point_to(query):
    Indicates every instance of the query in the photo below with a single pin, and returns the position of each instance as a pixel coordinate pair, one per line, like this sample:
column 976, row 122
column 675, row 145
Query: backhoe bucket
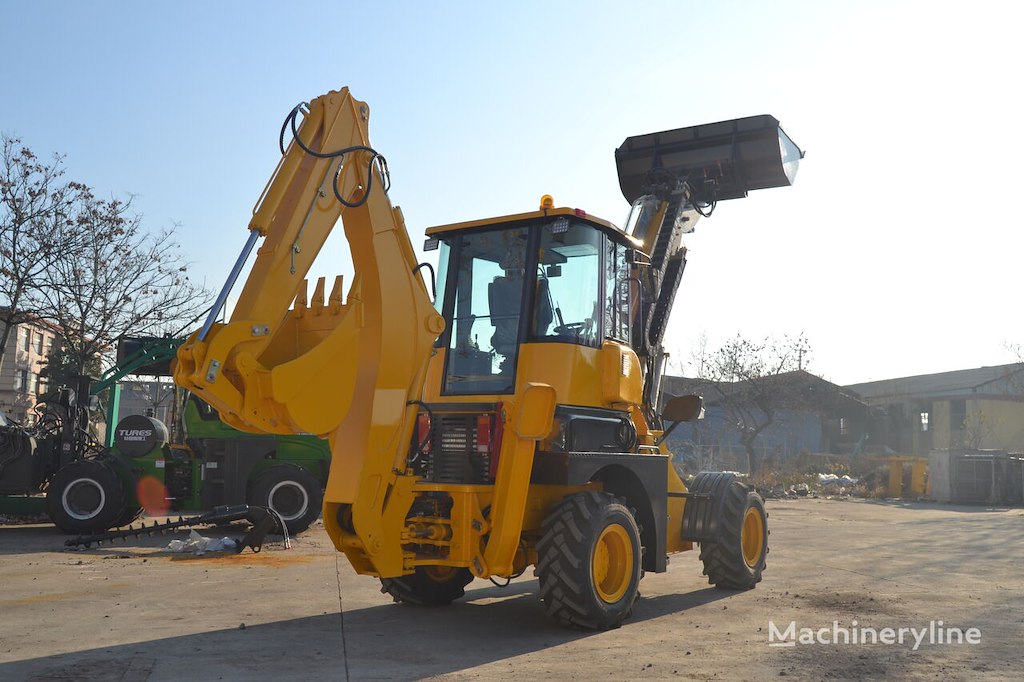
column 718, row 161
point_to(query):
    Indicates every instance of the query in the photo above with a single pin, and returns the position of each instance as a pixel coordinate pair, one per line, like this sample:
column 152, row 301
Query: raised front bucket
column 718, row 161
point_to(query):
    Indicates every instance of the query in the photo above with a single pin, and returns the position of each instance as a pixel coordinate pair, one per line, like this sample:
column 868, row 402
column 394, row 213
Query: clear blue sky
column 897, row 252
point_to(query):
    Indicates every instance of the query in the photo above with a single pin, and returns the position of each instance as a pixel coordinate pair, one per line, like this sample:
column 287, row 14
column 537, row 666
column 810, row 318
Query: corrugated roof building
column 976, row 409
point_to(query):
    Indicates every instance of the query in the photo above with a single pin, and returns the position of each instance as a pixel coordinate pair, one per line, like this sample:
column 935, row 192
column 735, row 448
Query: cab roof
column 576, row 213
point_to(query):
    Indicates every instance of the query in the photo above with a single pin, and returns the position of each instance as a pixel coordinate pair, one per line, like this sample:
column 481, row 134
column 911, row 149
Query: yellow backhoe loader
column 514, row 420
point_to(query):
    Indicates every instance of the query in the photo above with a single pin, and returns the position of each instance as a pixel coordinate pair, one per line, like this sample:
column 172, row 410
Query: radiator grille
column 456, row 458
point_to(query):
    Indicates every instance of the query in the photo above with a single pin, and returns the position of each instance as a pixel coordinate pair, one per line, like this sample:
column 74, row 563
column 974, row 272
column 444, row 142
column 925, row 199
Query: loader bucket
column 718, row 161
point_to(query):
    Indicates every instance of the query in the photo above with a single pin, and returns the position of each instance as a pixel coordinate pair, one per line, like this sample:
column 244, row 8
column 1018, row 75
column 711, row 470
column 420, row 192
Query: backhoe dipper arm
column 275, row 370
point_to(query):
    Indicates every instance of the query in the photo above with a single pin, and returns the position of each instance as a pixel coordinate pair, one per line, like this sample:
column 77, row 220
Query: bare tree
column 36, row 207
column 752, row 381
column 63, row 369
column 119, row 280
column 978, row 428
column 1014, row 376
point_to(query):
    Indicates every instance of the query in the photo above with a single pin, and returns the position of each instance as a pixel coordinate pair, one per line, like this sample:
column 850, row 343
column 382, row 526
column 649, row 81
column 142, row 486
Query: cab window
column 617, row 292
column 488, row 295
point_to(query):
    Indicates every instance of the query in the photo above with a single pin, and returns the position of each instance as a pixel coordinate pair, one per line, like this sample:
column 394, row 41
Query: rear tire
column 588, row 562
column 292, row 492
column 428, row 586
column 85, row 496
column 128, row 515
column 736, row 559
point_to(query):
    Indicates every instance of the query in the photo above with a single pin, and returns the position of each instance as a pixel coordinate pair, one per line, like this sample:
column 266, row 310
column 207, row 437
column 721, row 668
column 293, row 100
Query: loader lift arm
column 672, row 179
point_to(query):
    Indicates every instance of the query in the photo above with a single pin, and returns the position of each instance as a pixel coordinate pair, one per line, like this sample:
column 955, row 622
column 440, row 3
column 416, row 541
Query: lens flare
column 152, row 495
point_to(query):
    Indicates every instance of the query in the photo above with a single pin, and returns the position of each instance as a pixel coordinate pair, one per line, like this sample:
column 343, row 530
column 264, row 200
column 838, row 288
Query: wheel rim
column 83, row 499
column 612, row 563
column 289, row 499
column 752, row 537
column 439, row 574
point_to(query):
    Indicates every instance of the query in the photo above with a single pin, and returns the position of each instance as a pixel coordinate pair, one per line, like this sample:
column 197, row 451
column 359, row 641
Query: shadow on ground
column 382, row 642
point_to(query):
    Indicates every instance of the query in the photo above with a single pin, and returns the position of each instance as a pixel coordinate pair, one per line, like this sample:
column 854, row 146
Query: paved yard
column 135, row 612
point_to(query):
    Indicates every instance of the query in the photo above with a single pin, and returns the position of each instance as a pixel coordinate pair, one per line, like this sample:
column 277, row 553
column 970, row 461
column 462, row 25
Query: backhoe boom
column 334, row 368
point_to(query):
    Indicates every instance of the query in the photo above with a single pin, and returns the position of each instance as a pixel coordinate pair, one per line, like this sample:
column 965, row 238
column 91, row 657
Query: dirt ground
column 137, row 612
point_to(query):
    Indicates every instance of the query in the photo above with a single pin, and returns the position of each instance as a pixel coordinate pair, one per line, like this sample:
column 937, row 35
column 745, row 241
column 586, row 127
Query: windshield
column 568, row 272
column 574, row 275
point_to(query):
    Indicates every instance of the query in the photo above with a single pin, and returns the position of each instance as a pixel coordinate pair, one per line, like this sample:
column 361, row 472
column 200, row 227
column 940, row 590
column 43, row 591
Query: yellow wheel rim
column 752, row 537
column 439, row 574
column 612, row 564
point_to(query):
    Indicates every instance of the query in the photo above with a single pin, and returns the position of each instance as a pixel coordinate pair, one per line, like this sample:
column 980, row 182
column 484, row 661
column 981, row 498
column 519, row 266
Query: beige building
column 21, row 385
column 972, row 409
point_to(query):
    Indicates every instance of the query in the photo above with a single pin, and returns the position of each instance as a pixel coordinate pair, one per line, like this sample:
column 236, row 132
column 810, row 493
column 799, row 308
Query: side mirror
column 684, row 408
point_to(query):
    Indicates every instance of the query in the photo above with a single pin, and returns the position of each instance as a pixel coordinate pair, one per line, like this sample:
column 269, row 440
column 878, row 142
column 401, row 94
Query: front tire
column 292, row 492
column 588, row 562
column 428, row 586
column 736, row 559
column 85, row 496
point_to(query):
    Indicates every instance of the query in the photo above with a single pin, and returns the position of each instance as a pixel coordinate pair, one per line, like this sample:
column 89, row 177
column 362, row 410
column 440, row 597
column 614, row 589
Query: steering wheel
column 573, row 329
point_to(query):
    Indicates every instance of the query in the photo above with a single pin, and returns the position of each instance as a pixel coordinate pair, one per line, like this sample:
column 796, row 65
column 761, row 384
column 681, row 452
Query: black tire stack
column 715, row 518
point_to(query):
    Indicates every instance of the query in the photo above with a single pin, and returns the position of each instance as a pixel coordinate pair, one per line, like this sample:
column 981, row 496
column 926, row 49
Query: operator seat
column 504, row 299
column 544, row 308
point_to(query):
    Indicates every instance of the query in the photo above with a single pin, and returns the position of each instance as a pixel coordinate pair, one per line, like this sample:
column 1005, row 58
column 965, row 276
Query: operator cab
column 551, row 276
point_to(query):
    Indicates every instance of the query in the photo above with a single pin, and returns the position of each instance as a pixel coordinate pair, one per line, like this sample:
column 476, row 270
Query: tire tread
column 563, row 563
column 723, row 559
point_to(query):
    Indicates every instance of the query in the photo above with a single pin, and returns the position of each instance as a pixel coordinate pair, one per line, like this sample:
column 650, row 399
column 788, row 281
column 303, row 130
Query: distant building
column 21, row 383
column 972, row 409
column 813, row 416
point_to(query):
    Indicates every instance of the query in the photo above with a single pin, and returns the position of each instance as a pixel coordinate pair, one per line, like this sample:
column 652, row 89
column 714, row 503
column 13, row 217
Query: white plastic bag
column 199, row 545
